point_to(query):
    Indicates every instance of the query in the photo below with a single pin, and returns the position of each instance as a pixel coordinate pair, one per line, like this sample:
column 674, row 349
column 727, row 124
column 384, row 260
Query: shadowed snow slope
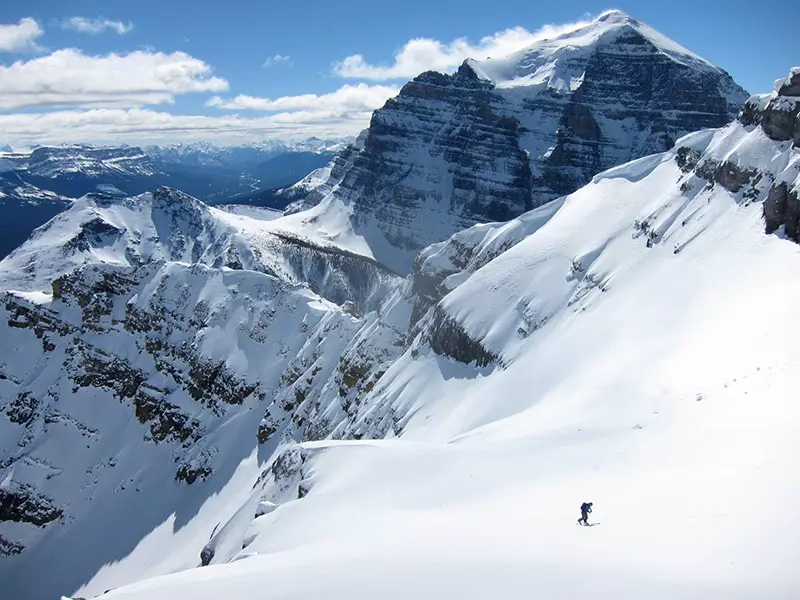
column 142, row 343
column 638, row 350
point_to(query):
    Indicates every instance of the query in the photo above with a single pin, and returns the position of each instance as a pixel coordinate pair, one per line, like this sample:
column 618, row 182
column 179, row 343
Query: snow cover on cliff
column 506, row 134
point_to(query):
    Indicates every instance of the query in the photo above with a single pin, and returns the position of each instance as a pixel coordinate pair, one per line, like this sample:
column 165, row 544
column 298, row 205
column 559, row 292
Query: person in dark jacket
column 586, row 508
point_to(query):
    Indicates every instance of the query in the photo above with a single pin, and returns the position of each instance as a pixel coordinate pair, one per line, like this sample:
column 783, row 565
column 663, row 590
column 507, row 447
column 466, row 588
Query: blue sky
column 241, row 70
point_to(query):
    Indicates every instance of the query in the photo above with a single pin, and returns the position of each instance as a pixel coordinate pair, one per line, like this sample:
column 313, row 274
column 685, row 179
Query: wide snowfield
column 693, row 499
column 658, row 382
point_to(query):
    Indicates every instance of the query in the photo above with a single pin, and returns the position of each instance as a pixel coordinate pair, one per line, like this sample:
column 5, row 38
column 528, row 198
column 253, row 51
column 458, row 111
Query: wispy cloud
column 20, row 37
column 347, row 99
column 70, row 78
column 425, row 54
column 144, row 126
column 278, row 58
column 96, row 26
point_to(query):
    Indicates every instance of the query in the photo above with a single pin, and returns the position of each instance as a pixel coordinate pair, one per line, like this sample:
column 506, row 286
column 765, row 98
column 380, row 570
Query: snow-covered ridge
column 169, row 331
column 538, row 63
column 217, row 174
column 168, row 225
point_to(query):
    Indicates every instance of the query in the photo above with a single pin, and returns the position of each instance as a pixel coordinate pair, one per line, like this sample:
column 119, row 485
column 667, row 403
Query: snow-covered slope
column 168, row 225
column 504, row 135
column 130, row 399
column 633, row 346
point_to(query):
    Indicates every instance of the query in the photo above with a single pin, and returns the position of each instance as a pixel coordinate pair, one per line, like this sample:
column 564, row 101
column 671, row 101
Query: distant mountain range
column 36, row 184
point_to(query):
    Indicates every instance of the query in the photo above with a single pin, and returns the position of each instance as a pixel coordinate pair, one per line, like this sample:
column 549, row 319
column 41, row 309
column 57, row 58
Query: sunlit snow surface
column 658, row 382
column 539, row 64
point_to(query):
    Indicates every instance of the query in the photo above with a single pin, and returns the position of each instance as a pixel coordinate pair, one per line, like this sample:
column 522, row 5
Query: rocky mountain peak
column 616, row 16
column 169, row 198
column 503, row 135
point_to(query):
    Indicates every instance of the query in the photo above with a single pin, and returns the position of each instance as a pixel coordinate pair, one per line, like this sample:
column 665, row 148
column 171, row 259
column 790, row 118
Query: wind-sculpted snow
column 632, row 346
column 506, row 134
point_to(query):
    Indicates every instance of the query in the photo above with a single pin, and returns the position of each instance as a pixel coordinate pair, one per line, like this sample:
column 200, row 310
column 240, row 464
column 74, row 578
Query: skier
column 586, row 508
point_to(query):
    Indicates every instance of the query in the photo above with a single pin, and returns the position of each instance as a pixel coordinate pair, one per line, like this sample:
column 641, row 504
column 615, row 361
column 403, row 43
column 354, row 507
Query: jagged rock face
column 632, row 101
column 161, row 362
column 473, row 163
column 777, row 113
column 778, row 116
column 501, row 136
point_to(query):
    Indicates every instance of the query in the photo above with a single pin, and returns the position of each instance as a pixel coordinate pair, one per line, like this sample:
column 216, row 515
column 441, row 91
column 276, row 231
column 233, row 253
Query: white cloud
column 278, row 58
column 95, row 26
column 70, row 78
column 114, row 88
column 424, row 54
column 144, row 126
column 20, row 37
column 347, row 99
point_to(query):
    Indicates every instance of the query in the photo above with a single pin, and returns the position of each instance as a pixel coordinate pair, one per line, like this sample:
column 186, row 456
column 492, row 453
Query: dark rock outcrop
column 448, row 338
column 782, row 207
column 22, row 505
column 777, row 113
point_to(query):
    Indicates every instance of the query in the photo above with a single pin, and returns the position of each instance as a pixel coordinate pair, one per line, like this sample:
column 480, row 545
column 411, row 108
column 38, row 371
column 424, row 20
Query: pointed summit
column 504, row 135
column 614, row 30
column 616, row 16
